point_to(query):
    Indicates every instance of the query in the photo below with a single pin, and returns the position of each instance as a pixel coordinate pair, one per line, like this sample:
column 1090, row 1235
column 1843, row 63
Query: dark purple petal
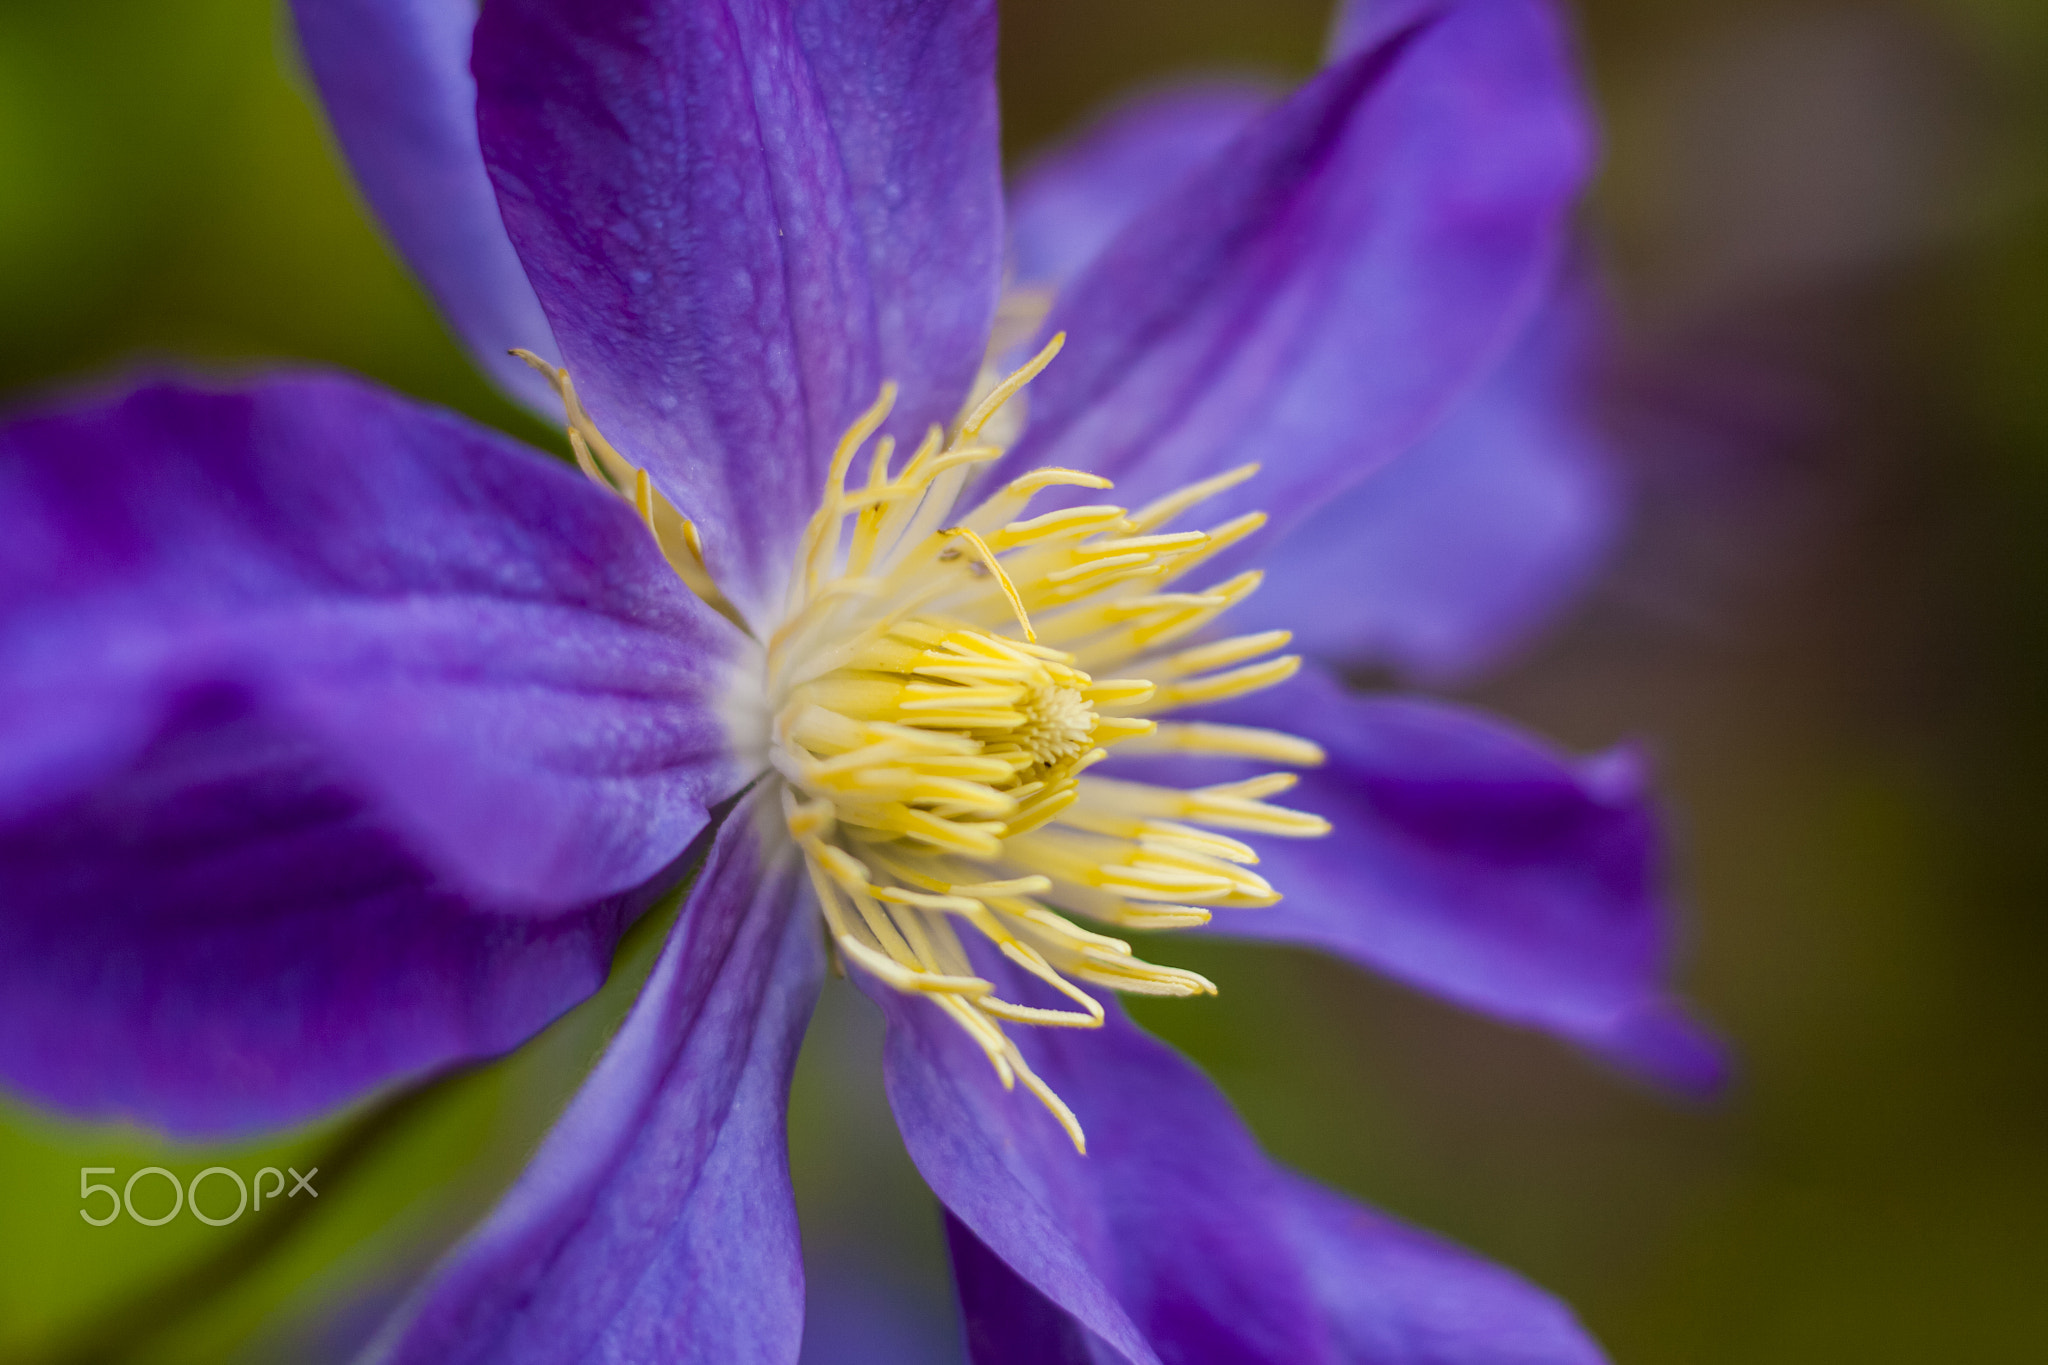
column 1319, row 294
column 1396, row 1296
column 1460, row 549
column 1069, row 204
column 323, row 720
column 394, row 75
column 1473, row 862
column 1007, row 1321
column 656, row 1223
column 1164, row 1240
column 741, row 219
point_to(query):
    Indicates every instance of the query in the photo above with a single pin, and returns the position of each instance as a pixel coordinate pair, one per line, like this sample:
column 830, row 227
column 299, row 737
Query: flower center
column 942, row 681
column 1058, row 721
column 941, row 736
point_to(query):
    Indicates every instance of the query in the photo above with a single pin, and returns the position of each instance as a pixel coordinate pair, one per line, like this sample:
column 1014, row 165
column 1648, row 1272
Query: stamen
column 675, row 534
column 1160, row 511
column 1225, row 741
column 584, row 437
column 1221, row 654
column 1221, row 686
column 989, row 561
column 933, row 710
column 1007, row 390
column 821, row 537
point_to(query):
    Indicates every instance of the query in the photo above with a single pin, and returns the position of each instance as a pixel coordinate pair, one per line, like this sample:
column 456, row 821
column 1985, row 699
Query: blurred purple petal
column 301, row 689
column 1216, row 1254
column 394, row 76
column 1389, row 1295
column 1322, row 291
column 656, row 1222
column 1461, row 548
column 1359, row 24
column 1662, row 1039
column 860, row 1308
column 1396, row 1296
column 1164, row 1240
column 741, row 220
column 1069, row 204
column 488, row 649
column 1475, row 863
column 224, row 937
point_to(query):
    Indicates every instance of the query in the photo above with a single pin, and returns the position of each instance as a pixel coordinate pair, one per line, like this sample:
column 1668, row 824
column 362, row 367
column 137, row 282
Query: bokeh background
column 1826, row 226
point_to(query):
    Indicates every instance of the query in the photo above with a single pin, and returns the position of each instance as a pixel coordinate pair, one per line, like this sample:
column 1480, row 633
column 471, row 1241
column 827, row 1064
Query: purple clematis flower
column 344, row 738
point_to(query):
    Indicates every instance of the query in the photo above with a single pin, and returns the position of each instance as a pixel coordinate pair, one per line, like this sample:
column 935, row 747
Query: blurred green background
column 1827, row 228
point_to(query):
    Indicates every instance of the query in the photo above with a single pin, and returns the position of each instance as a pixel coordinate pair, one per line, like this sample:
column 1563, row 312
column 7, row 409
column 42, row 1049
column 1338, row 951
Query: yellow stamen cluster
column 938, row 689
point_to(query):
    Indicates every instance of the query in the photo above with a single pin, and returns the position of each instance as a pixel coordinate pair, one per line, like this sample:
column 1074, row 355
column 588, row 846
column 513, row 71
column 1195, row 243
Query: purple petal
column 1360, row 24
column 1473, row 862
column 1068, row 205
column 1162, row 1241
column 302, row 689
column 741, row 219
column 1317, row 296
column 224, row 938
column 492, row 648
column 1396, row 1296
column 1460, row 549
column 1388, row 1294
column 1007, row 1321
column 866, row 1304
column 394, row 75
column 656, row 1222
column 1216, row 1255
